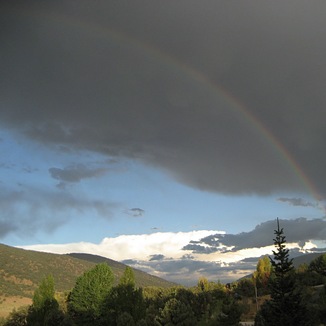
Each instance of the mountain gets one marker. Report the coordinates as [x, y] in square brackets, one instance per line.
[21, 271]
[305, 259]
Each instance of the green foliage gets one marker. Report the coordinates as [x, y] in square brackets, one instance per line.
[245, 287]
[263, 272]
[176, 312]
[203, 305]
[45, 308]
[87, 297]
[230, 313]
[142, 279]
[45, 292]
[124, 299]
[281, 263]
[285, 307]
[203, 284]
[125, 319]
[17, 317]
[128, 277]
[48, 314]
[321, 308]
[318, 265]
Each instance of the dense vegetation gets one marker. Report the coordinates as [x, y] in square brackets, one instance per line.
[95, 300]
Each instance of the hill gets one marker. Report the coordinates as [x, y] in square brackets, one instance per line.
[305, 259]
[22, 270]
[142, 279]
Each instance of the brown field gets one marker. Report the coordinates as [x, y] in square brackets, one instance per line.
[7, 304]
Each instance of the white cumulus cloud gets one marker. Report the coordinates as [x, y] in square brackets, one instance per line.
[139, 247]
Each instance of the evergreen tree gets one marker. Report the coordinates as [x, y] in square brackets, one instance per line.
[283, 283]
[318, 265]
[285, 307]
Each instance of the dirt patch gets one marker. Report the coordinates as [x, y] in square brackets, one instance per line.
[17, 280]
[7, 304]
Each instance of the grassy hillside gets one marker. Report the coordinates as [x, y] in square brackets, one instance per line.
[22, 270]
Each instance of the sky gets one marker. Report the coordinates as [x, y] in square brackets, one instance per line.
[167, 135]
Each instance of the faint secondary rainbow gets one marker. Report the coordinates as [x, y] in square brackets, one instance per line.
[125, 40]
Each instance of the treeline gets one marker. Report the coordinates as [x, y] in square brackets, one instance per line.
[94, 300]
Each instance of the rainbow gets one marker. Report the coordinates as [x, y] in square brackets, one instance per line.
[151, 52]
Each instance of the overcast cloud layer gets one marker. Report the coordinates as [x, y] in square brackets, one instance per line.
[186, 256]
[145, 80]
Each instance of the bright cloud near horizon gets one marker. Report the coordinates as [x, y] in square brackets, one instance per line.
[166, 136]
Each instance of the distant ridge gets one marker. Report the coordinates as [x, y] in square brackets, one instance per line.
[306, 258]
[142, 279]
[21, 271]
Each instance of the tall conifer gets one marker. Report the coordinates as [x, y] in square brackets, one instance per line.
[285, 307]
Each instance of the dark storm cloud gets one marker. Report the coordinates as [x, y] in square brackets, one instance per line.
[76, 172]
[297, 202]
[298, 231]
[132, 79]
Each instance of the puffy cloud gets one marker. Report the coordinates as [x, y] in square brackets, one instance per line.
[144, 246]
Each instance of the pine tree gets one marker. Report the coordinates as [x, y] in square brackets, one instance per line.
[285, 307]
[283, 283]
